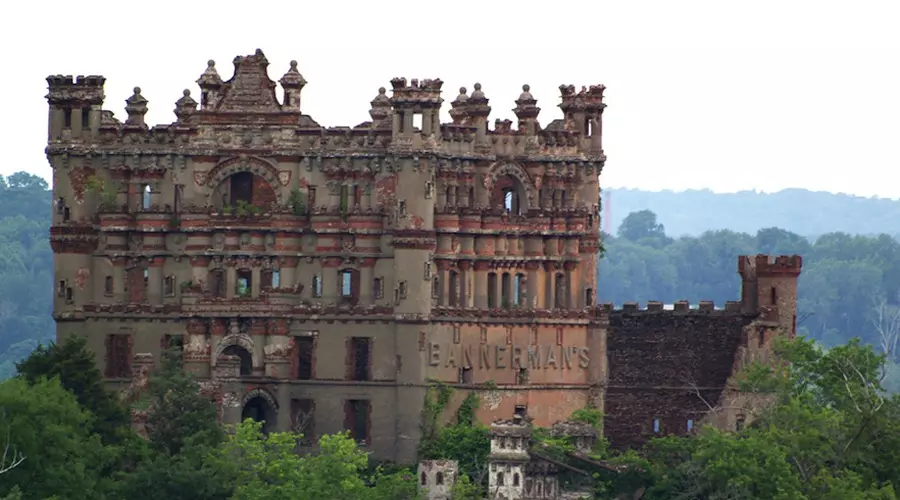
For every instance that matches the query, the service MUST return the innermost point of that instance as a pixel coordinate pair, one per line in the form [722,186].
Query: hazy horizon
[702,94]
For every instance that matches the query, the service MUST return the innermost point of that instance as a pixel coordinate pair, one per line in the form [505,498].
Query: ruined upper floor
[245,113]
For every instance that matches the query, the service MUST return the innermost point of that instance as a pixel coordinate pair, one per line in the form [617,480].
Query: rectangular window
[244,283]
[172,345]
[428,270]
[169,286]
[108,286]
[61,288]
[357,418]
[378,288]
[276,279]
[346,284]
[403,289]
[118,356]
[217,283]
[305,355]
[656,426]
[360,359]
[67,118]
[86,119]
[311,198]
[690,425]
[303,420]
[317,286]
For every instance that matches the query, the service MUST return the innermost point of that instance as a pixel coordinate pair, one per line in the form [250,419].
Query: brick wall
[263,194]
[657,361]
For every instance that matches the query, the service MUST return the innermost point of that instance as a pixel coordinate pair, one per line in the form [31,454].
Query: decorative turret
[583,113]
[526,111]
[414,100]
[210,84]
[136,108]
[292,82]
[185,107]
[75,106]
[509,456]
[479,111]
[381,109]
[458,109]
[769,288]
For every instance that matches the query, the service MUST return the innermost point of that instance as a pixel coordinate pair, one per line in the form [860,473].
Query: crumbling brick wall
[263,194]
[658,362]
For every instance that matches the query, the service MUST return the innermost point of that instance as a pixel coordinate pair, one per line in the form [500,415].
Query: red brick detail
[263,194]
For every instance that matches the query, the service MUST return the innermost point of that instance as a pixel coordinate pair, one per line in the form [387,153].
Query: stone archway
[260,406]
[251,180]
[509,186]
[241,340]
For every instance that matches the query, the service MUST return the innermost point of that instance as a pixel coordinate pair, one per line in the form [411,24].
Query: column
[119,279]
[330,285]
[255,279]
[200,269]
[288,272]
[155,280]
[481,283]
[230,280]
[367,194]
[498,287]
[571,290]
[366,281]
[532,290]
[550,282]
[465,276]
[427,121]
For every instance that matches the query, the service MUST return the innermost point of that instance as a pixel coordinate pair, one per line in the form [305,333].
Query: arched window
[246,359]
[439,478]
[516,479]
[145,202]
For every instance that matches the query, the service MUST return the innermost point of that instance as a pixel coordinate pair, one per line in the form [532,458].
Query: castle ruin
[316,278]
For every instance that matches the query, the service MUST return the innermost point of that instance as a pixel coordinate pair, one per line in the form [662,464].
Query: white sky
[723,95]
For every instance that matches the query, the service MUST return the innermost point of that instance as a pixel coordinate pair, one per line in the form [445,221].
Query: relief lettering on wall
[508,357]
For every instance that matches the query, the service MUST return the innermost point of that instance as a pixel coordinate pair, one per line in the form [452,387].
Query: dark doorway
[246,359]
[259,410]
[241,188]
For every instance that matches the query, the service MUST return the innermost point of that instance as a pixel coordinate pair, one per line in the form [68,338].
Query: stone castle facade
[317,278]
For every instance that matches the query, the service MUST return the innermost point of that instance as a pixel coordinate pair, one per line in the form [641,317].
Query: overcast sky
[723,95]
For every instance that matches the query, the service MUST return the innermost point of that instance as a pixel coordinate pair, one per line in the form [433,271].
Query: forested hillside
[26,268]
[850,284]
[797,210]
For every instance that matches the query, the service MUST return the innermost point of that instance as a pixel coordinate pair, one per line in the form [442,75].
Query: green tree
[46,425]
[76,368]
[642,227]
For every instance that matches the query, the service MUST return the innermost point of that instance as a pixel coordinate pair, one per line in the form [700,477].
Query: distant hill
[804,212]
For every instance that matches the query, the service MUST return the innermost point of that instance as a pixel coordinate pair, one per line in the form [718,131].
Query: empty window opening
[259,410]
[86,118]
[454,289]
[145,200]
[739,424]
[346,283]
[435,288]
[515,479]
[241,188]
[217,283]
[471,196]
[345,198]
[169,286]
[146,277]
[690,425]
[500,479]
[243,286]
[521,411]
[588,127]
[356,416]
[465,375]
[69,295]
[522,376]
[265,279]
[519,290]
[276,279]
[118,356]
[589,297]
[172,345]
[311,197]
[492,290]
[403,289]
[305,349]
[303,412]
[774,296]
[561,289]
[349,286]
[417,121]
[61,289]
[656,426]
[762,337]
[243,355]
[439,478]
[508,199]
[108,285]
[506,290]
[423,479]
[360,358]
[66,214]
[204,99]
[378,288]
[287,99]
[60,205]
[402,208]
[317,286]
[67,118]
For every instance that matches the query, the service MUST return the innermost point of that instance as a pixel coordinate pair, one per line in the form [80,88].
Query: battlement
[766,265]
[704,307]
[516,427]
[81,89]
[588,99]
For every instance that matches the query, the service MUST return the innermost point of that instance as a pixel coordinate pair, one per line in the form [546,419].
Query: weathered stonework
[331,272]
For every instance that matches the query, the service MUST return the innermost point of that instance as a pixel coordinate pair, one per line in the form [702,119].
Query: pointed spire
[136,108]
[185,107]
